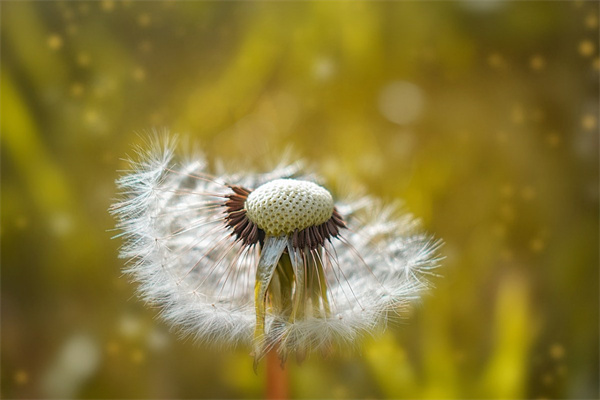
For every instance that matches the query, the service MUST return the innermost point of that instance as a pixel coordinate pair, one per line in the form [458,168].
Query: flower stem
[277,377]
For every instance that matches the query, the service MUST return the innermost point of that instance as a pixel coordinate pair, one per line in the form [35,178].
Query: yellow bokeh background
[481,117]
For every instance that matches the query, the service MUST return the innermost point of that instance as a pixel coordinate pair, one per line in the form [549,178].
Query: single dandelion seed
[269,260]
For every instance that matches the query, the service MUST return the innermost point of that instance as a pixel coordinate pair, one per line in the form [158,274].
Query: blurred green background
[481,116]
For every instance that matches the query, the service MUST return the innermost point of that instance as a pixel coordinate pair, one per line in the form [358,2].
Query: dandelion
[268,260]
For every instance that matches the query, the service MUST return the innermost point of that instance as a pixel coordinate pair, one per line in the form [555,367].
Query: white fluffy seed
[283,205]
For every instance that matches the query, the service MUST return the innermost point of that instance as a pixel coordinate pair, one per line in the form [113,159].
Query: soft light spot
[370,163]
[507,255]
[557,351]
[157,340]
[84,9]
[553,139]
[55,42]
[528,193]
[156,118]
[112,348]
[496,61]
[464,135]
[68,14]
[401,102]
[402,144]
[537,62]
[130,326]
[21,377]
[76,90]
[507,212]
[144,20]
[591,21]
[107,5]
[91,117]
[537,245]
[586,48]
[106,85]
[339,391]
[74,364]
[460,356]
[538,115]
[138,356]
[139,74]
[501,137]
[483,6]
[83,59]
[596,64]
[145,46]
[324,69]
[61,224]
[589,122]
[507,190]
[499,230]
[517,115]
[428,54]
[72,29]
[21,222]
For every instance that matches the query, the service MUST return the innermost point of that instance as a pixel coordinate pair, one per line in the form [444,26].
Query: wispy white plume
[323,291]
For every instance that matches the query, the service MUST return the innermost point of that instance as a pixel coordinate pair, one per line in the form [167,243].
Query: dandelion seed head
[283,205]
[266,259]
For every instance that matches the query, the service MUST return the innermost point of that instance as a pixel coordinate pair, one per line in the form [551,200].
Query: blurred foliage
[481,116]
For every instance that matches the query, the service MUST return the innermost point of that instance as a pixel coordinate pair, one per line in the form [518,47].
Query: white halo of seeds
[182,254]
[284,205]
